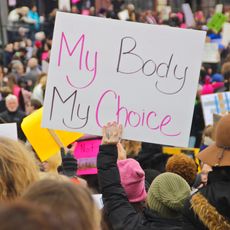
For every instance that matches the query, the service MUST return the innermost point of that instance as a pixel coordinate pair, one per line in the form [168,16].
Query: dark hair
[36,104]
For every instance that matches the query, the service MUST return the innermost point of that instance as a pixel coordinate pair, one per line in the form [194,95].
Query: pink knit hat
[132,179]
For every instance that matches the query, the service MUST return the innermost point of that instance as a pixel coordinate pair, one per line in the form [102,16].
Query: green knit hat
[167,194]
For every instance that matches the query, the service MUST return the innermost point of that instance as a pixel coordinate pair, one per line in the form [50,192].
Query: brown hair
[182,165]
[66,200]
[17,169]
[23,215]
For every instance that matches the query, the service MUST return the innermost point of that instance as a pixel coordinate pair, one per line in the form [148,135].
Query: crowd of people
[141,187]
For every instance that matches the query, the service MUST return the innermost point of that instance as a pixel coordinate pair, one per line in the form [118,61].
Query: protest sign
[123,15]
[191,152]
[226,34]
[43,140]
[161,5]
[9,130]
[189,18]
[219,8]
[166,10]
[218,103]
[216,22]
[211,53]
[108,70]
[86,154]
[64,5]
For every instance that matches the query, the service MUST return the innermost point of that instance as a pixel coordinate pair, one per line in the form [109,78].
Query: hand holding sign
[111,133]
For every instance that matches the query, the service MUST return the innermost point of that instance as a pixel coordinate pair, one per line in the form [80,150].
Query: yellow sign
[42,139]
[191,152]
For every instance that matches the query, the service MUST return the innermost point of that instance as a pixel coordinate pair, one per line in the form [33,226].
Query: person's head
[9,47]
[1,72]
[74,10]
[183,166]
[167,194]
[132,179]
[34,105]
[32,63]
[67,201]
[132,147]
[17,169]
[11,103]
[51,165]
[18,67]
[42,78]
[24,215]
[23,10]
[5,91]
[34,8]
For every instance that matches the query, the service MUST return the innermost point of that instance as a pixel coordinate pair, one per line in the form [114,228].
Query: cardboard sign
[226,34]
[108,70]
[189,18]
[218,103]
[211,53]
[216,22]
[41,139]
[191,152]
[86,154]
[9,130]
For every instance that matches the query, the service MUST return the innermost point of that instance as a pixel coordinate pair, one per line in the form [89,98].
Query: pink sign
[75,1]
[86,154]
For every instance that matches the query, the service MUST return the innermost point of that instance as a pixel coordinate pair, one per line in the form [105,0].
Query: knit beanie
[167,194]
[132,180]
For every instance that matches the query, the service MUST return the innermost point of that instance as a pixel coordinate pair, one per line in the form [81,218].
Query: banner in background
[216,22]
[9,130]
[218,103]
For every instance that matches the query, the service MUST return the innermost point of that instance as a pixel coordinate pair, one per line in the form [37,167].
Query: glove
[69,164]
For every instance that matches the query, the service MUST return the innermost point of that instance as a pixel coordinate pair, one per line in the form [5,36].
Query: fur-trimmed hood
[208,214]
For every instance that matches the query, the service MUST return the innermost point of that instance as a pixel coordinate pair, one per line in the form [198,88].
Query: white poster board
[189,18]
[226,34]
[123,15]
[9,130]
[218,103]
[108,70]
[64,5]
[219,8]
[211,53]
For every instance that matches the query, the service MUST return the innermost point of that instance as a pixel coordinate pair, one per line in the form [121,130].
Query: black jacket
[120,212]
[216,194]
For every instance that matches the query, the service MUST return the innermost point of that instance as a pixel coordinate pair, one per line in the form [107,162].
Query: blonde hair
[17,169]
[132,147]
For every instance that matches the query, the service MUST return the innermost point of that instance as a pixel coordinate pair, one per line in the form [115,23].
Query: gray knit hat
[167,194]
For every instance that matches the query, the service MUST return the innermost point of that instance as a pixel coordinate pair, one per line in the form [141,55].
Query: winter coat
[209,208]
[120,212]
